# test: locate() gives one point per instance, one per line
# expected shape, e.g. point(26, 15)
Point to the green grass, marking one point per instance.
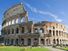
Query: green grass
point(65, 48)
point(12, 48)
point(37, 49)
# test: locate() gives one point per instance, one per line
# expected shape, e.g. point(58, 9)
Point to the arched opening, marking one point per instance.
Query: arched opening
point(6, 23)
point(49, 31)
point(53, 27)
point(43, 41)
point(41, 30)
point(9, 22)
point(5, 42)
point(22, 41)
point(36, 30)
point(60, 41)
point(17, 20)
point(29, 42)
point(53, 33)
point(54, 41)
point(22, 30)
point(57, 42)
point(60, 33)
point(8, 31)
point(57, 33)
point(12, 41)
point(16, 41)
point(35, 41)
point(13, 21)
point(12, 31)
point(17, 30)
point(8, 41)
point(22, 19)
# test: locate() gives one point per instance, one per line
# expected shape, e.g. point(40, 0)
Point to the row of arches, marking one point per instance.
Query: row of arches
point(13, 30)
point(14, 21)
point(39, 30)
point(56, 32)
point(34, 41)
point(21, 41)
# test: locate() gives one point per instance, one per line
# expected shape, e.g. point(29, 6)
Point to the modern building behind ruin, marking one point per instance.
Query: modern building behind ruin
point(18, 30)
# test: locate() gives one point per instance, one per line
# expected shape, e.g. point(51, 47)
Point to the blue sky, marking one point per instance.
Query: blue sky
point(40, 10)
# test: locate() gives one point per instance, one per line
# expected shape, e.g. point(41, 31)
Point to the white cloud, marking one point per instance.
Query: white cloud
point(59, 20)
point(33, 9)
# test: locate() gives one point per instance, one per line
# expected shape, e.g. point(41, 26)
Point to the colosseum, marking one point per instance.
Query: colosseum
point(18, 30)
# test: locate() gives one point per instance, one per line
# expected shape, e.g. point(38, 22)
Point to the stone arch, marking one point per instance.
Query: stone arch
point(53, 27)
point(49, 31)
point(35, 41)
point(29, 41)
point(43, 41)
point(17, 20)
point(41, 30)
point(57, 32)
point(22, 41)
point(36, 30)
point(16, 41)
point(60, 41)
point(12, 41)
point(53, 33)
point(54, 41)
point(47, 41)
point(12, 30)
point(17, 30)
point(57, 41)
point(22, 19)
point(13, 21)
point(8, 31)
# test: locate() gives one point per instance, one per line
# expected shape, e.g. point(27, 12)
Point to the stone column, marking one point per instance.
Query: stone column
point(19, 41)
point(15, 21)
point(20, 30)
point(52, 33)
point(55, 32)
point(26, 17)
point(25, 41)
point(51, 41)
point(15, 30)
point(26, 30)
point(32, 41)
point(45, 41)
point(56, 41)
point(59, 41)
point(32, 28)
point(58, 32)
point(4, 41)
point(9, 41)
point(48, 41)
point(10, 31)
point(39, 41)
point(14, 42)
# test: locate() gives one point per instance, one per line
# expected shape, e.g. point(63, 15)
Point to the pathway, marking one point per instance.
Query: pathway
point(54, 49)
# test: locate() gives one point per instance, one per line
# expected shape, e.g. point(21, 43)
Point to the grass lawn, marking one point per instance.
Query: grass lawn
point(12, 48)
point(37, 49)
point(65, 48)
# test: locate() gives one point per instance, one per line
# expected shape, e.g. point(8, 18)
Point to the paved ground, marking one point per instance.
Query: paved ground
point(54, 49)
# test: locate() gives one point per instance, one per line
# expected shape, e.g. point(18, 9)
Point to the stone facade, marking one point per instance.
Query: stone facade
point(17, 30)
